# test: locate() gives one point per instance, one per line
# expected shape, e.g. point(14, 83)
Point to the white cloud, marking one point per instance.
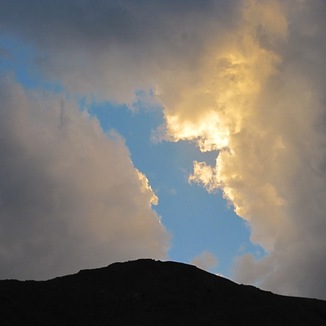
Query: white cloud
point(70, 195)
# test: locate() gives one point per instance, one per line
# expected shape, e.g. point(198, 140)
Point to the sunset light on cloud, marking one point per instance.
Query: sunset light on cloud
point(181, 130)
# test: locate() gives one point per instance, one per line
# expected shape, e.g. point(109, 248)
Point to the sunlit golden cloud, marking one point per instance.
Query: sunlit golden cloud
point(261, 89)
point(219, 111)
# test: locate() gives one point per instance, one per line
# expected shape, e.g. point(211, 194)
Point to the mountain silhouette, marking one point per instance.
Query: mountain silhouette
point(147, 292)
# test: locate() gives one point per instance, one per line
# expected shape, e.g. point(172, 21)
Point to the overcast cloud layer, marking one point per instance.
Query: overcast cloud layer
point(244, 78)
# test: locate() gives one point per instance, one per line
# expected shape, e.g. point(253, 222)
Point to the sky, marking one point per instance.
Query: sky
point(178, 130)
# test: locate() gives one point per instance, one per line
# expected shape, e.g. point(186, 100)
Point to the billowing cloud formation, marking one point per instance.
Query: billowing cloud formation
point(244, 78)
point(234, 121)
point(70, 196)
point(269, 107)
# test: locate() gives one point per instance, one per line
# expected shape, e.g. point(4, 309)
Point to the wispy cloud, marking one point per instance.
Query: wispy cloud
point(205, 260)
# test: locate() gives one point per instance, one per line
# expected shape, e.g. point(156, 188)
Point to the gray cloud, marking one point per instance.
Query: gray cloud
point(112, 48)
point(70, 196)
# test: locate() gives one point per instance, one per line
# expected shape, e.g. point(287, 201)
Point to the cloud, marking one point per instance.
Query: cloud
point(205, 260)
point(70, 195)
point(269, 110)
point(293, 107)
point(243, 78)
point(256, 97)
point(125, 46)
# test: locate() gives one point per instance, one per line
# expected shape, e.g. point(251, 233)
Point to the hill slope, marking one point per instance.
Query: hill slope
point(148, 292)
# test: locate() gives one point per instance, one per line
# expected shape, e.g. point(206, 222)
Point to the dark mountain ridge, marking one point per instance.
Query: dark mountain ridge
point(148, 292)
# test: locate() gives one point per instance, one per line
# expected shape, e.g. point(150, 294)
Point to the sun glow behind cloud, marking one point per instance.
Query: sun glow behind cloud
point(209, 132)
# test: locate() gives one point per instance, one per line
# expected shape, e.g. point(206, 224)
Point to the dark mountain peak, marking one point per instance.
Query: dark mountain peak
point(148, 292)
